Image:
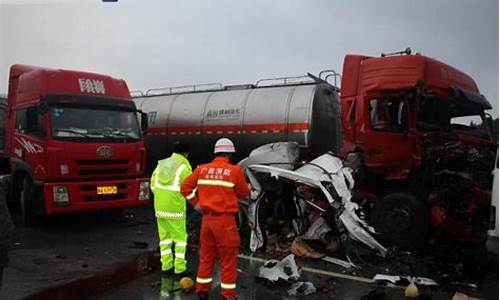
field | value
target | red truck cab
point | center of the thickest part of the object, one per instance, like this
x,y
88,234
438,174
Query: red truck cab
x,y
74,141
389,103
426,144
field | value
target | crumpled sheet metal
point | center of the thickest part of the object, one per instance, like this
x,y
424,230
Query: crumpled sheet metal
x,y
256,236
282,154
317,230
302,288
356,228
314,174
274,270
335,172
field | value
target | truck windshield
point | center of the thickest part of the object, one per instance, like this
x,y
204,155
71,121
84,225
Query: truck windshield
x,y
82,123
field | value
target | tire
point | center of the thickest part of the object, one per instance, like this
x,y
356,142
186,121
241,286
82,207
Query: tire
x,y
31,204
401,219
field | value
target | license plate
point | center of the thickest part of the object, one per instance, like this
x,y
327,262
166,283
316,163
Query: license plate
x,y
106,190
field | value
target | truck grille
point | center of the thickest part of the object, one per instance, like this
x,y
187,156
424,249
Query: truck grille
x,y
90,193
102,168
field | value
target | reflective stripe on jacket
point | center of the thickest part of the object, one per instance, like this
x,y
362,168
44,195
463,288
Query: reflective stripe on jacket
x,y
219,184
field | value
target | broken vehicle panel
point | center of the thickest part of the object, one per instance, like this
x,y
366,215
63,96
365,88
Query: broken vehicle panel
x,y
320,188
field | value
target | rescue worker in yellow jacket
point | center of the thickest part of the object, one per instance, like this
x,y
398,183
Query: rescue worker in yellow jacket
x,y
170,208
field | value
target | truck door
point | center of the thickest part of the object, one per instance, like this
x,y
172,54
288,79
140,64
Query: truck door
x,y
388,141
29,143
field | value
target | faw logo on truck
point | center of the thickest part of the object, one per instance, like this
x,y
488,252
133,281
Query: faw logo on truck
x,y
92,86
104,151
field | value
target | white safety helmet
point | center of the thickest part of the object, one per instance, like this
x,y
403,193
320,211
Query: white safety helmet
x,y
224,145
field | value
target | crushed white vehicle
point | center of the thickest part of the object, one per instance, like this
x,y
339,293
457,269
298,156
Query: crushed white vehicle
x,y
314,197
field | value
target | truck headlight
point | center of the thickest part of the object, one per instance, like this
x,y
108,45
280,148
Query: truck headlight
x,y
144,190
61,196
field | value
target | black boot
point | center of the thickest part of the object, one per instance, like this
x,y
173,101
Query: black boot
x,y
203,296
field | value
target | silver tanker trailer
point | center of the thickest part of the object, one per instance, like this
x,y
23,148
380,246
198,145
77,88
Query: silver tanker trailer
x,y
303,109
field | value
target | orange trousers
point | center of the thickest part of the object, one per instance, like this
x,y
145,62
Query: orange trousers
x,y
219,237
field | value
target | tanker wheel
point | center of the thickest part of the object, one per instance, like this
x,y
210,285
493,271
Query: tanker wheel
x,y
31,204
401,219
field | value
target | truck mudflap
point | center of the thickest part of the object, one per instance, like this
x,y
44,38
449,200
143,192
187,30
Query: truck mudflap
x,y
326,178
69,197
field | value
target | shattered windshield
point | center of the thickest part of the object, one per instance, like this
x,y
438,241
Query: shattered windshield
x,y
450,114
94,124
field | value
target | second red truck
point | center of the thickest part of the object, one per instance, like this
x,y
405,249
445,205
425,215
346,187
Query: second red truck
x,y
74,142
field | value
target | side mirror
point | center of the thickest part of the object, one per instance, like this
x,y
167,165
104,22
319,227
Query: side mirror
x,y
144,122
32,119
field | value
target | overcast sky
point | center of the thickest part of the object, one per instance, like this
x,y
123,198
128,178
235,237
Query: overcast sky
x,y
161,43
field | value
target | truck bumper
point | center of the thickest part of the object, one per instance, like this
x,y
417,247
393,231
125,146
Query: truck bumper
x,y
83,195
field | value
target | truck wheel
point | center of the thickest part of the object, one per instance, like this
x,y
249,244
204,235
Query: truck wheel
x,y
401,219
30,203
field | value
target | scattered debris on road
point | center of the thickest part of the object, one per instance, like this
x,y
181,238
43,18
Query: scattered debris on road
x,y
411,291
404,279
340,262
302,288
274,270
460,296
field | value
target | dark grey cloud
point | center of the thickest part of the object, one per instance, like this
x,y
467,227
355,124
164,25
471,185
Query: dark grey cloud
x,y
165,43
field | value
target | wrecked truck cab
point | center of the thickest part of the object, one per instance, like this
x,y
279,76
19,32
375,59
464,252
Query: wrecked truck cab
x,y
318,189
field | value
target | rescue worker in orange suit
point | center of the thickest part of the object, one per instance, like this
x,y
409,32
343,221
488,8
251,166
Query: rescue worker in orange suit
x,y
218,186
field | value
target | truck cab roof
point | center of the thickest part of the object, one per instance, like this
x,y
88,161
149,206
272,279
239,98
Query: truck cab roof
x,y
367,74
38,81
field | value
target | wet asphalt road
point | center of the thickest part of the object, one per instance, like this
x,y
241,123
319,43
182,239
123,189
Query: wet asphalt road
x,y
326,278
62,253
73,247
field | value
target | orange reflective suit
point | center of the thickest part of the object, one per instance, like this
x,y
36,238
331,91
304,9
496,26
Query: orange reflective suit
x,y
218,184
